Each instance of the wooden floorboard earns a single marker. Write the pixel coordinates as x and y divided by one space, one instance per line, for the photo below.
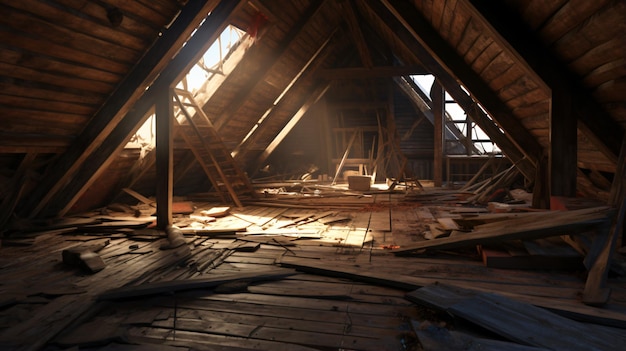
346 289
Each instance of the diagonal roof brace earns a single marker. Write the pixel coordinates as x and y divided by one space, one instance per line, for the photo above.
69 188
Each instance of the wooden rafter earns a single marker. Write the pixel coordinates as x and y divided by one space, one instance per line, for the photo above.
597 124
261 129
433 48
371 72
266 65
420 53
120 103
312 100
48 194
357 34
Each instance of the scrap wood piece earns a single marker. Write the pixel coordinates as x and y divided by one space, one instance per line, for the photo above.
544 225
518 321
269 239
143 233
143 210
499 207
188 284
214 232
471 221
202 219
596 292
247 247
139 197
85 256
182 207
132 250
447 223
333 219
216 211
435 338
291 222
108 226
435 232
297 233
309 219
505 259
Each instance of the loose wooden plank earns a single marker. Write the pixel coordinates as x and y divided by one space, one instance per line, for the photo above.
517 321
447 223
168 286
434 338
533 227
138 196
216 211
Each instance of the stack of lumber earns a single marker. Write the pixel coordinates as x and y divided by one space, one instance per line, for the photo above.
533 225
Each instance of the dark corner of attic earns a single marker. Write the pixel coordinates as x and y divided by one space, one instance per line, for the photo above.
312 175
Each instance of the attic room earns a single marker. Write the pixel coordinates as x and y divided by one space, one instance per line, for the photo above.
185 175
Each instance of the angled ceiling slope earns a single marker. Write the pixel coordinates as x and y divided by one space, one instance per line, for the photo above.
74 77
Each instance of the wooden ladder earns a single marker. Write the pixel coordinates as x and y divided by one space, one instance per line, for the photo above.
229 181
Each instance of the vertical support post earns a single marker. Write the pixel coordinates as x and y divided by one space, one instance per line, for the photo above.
563 145
469 135
326 136
164 158
437 95
541 188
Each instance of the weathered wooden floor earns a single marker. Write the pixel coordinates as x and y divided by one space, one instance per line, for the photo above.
336 285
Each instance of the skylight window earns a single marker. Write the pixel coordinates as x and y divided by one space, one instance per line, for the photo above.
217 61
459 118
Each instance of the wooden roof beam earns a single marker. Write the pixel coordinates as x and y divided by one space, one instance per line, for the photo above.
443 60
357 34
603 131
357 105
314 97
316 60
69 187
372 72
420 53
266 66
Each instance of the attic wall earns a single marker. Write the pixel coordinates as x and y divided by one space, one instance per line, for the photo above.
61 60
302 148
417 146
103 191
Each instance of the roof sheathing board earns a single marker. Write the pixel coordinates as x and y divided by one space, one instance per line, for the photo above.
281 67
